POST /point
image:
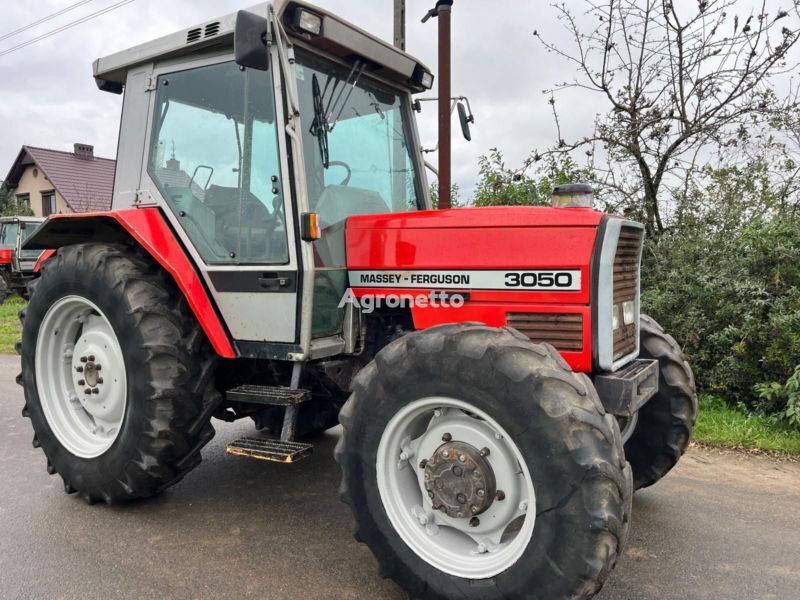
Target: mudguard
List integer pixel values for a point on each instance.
(148, 228)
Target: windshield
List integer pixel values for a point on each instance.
(356, 141)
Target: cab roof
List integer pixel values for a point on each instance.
(338, 37)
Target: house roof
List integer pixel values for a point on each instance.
(86, 184)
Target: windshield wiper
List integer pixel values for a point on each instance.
(323, 124)
(319, 127)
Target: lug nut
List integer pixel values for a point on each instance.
(91, 357)
(84, 359)
(500, 496)
(461, 498)
(462, 458)
(99, 380)
(484, 452)
(481, 493)
(447, 437)
(97, 367)
(81, 382)
(474, 522)
(423, 463)
(473, 509)
(79, 369)
(95, 391)
(87, 391)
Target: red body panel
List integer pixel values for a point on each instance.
(478, 239)
(44, 256)
(148, 227)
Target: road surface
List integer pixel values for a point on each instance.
(719, 526)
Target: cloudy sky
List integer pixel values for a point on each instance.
(48, 97)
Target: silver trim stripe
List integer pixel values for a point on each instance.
(520, 280)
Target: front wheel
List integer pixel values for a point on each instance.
(478, 465)
(117, 375)
(659, 433)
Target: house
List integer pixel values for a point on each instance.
(54, 181)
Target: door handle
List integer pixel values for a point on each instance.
(272, 281)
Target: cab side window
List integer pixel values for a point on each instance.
(214, 157)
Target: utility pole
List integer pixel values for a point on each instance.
(400, 24)
(442, 11)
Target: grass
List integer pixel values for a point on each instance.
(726, 427)
(10, 328)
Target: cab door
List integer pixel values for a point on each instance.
(216, 162)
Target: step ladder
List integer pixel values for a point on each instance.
(284, 450)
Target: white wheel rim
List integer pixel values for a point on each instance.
(451, 544)
(80, 376)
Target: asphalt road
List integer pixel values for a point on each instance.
(719, 526)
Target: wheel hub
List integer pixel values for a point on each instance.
(460, 482)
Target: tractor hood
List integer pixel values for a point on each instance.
(471, 244)
(486, 217)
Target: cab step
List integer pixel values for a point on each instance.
(266, 394)
(270, 449)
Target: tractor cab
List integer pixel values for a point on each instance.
(312, 121)
(17, 264)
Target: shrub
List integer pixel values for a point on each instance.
(731, 297)
(782, 400)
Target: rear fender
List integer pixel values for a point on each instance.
(148, 228)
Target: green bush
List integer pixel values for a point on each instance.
(731, 297)
(782, 400)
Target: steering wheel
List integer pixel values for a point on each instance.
(339, 163)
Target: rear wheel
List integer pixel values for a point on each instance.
(478, 465)
(117, 375)
(662, 428)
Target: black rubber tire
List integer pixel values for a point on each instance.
(573, 449)
(665, 424)
(170, 373)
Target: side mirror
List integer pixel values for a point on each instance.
(251, 41)
(465, 121)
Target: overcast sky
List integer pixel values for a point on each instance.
(48, 97)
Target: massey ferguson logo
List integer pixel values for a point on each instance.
(558, 280)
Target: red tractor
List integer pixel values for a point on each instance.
(272, 254)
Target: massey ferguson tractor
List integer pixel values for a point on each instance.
(500, 400)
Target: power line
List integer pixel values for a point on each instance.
(88, 17)
(43, 19)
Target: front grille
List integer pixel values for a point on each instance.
(626, 284)
(564, 331)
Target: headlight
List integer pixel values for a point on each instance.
(422, 77)
(628, 312)
(307, 21)
(615, 317)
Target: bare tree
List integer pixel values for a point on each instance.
(679, 83)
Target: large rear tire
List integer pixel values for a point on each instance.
(663, 427)
(118, 376)
(483, 405)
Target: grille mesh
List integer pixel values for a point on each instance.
(563, 331)
(626, 283)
